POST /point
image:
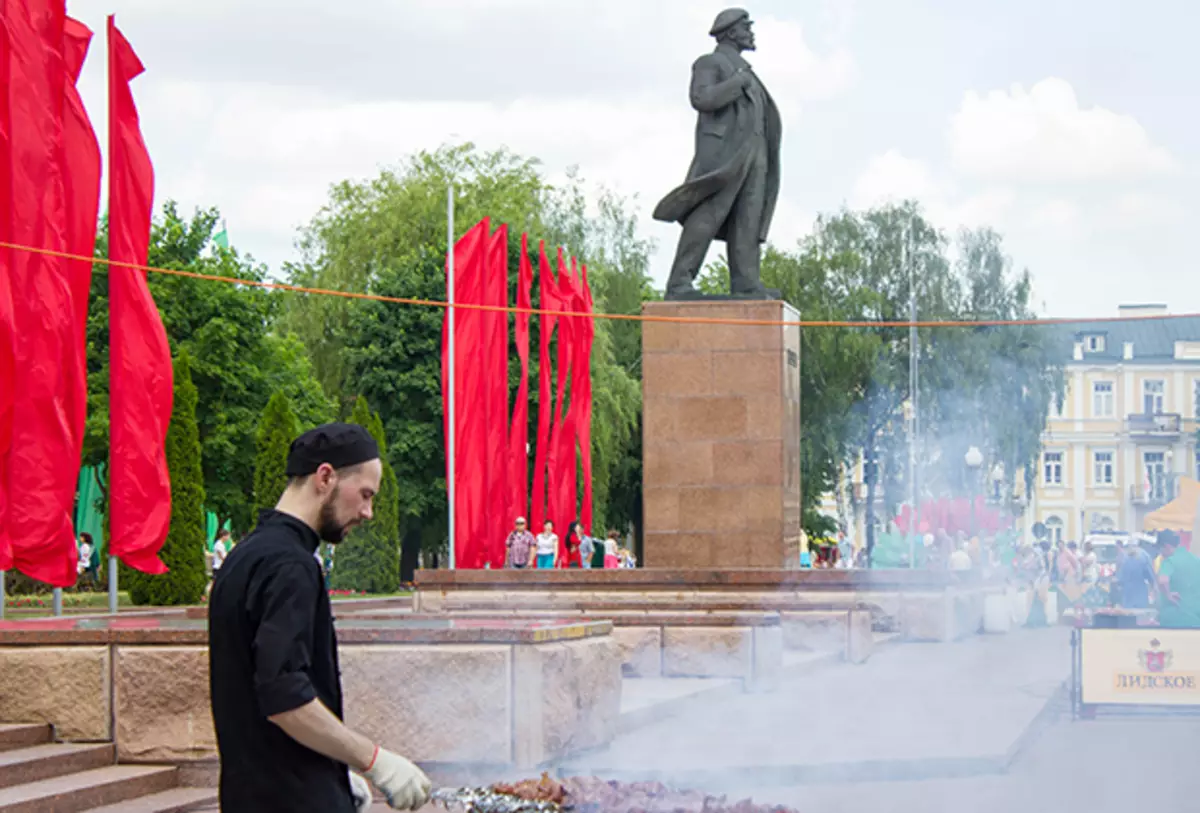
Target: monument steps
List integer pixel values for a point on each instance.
(38, 775)
(19, 735)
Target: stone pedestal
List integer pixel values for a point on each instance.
(721, 436)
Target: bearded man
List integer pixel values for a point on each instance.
(273, 665)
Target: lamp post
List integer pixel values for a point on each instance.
(974, 459)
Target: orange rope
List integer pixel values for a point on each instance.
(625, 317)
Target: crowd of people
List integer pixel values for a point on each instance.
(576, 549)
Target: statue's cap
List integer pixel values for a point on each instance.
(338, 444)
(727, 19)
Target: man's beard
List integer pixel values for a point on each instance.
(328, 527)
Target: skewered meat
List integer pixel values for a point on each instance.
(594, 795)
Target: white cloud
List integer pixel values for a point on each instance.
(1044, 136)
(892, 177)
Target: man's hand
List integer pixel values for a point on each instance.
(360, 790)
(404, 784)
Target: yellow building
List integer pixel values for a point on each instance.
(1127, 426)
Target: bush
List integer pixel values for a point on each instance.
(183, 550)
(276, 431)
(369, 559)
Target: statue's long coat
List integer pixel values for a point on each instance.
(725, 145)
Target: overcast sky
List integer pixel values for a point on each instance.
(1068, 125)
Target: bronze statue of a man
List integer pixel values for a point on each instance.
(733, 182)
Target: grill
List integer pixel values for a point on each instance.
(590, 795)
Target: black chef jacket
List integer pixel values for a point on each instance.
(272, 648)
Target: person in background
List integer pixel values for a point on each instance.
(546, 546)
(1089, 564)
(1179, 580)
(845, 551)
(518, 546)
(570, 556)
(220, 550)
(960, 560)
(1068, 564)
(587, 546)
(1135, 578)
(86, 550)
(599, 547)
(612, 552)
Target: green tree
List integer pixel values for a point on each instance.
(276, 430)
(183, 550)
(369, 559)
(240, 355)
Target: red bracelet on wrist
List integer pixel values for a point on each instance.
(374, 757)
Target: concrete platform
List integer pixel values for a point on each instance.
(913, 711)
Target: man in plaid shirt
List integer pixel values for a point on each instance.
(519, 544)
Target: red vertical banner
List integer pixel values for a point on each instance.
(495, 372)
(7, 331)
(518, 433)
(562, 441)
(547, 301)
(470, 471)
(81, 163)
(584, 342)
(39, 514)
(141, 378)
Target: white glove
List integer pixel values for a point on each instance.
(360, 791)
(404, 784)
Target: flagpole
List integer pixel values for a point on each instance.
(450, 377)
(112, 585)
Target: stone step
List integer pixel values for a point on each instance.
(48, 760)
(176, 800)
(20, 735)
(87, 789)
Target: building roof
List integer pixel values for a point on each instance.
(1153, 339)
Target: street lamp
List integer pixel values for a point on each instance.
(974, 459)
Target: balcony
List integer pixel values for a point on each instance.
(1154, 494)
(1159, 426)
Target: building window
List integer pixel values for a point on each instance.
(1155, 466)
(1103, 469)
(1102, 400)
(1094, 344)
(1052, 468)
(1196, 397)
(1198, 464)
(1153, 397)
(1054, 530)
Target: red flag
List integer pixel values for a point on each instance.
(495, 377)
(587, 335)
(7, 332)
(470, 474)
(562, 441)
(141, 378)
(39, 515)
(548, 301)
(518, 433)
(81, 161)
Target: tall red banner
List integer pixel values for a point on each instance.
(562, 461)
(495, 376)
(583, 422)
(141, 379)
(39, 515)
(548, 301)
(7, 331)
(470, 469)
(81, 161)
(518, 433)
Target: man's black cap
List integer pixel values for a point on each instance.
(338, 444)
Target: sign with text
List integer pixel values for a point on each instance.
(1143, 667)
